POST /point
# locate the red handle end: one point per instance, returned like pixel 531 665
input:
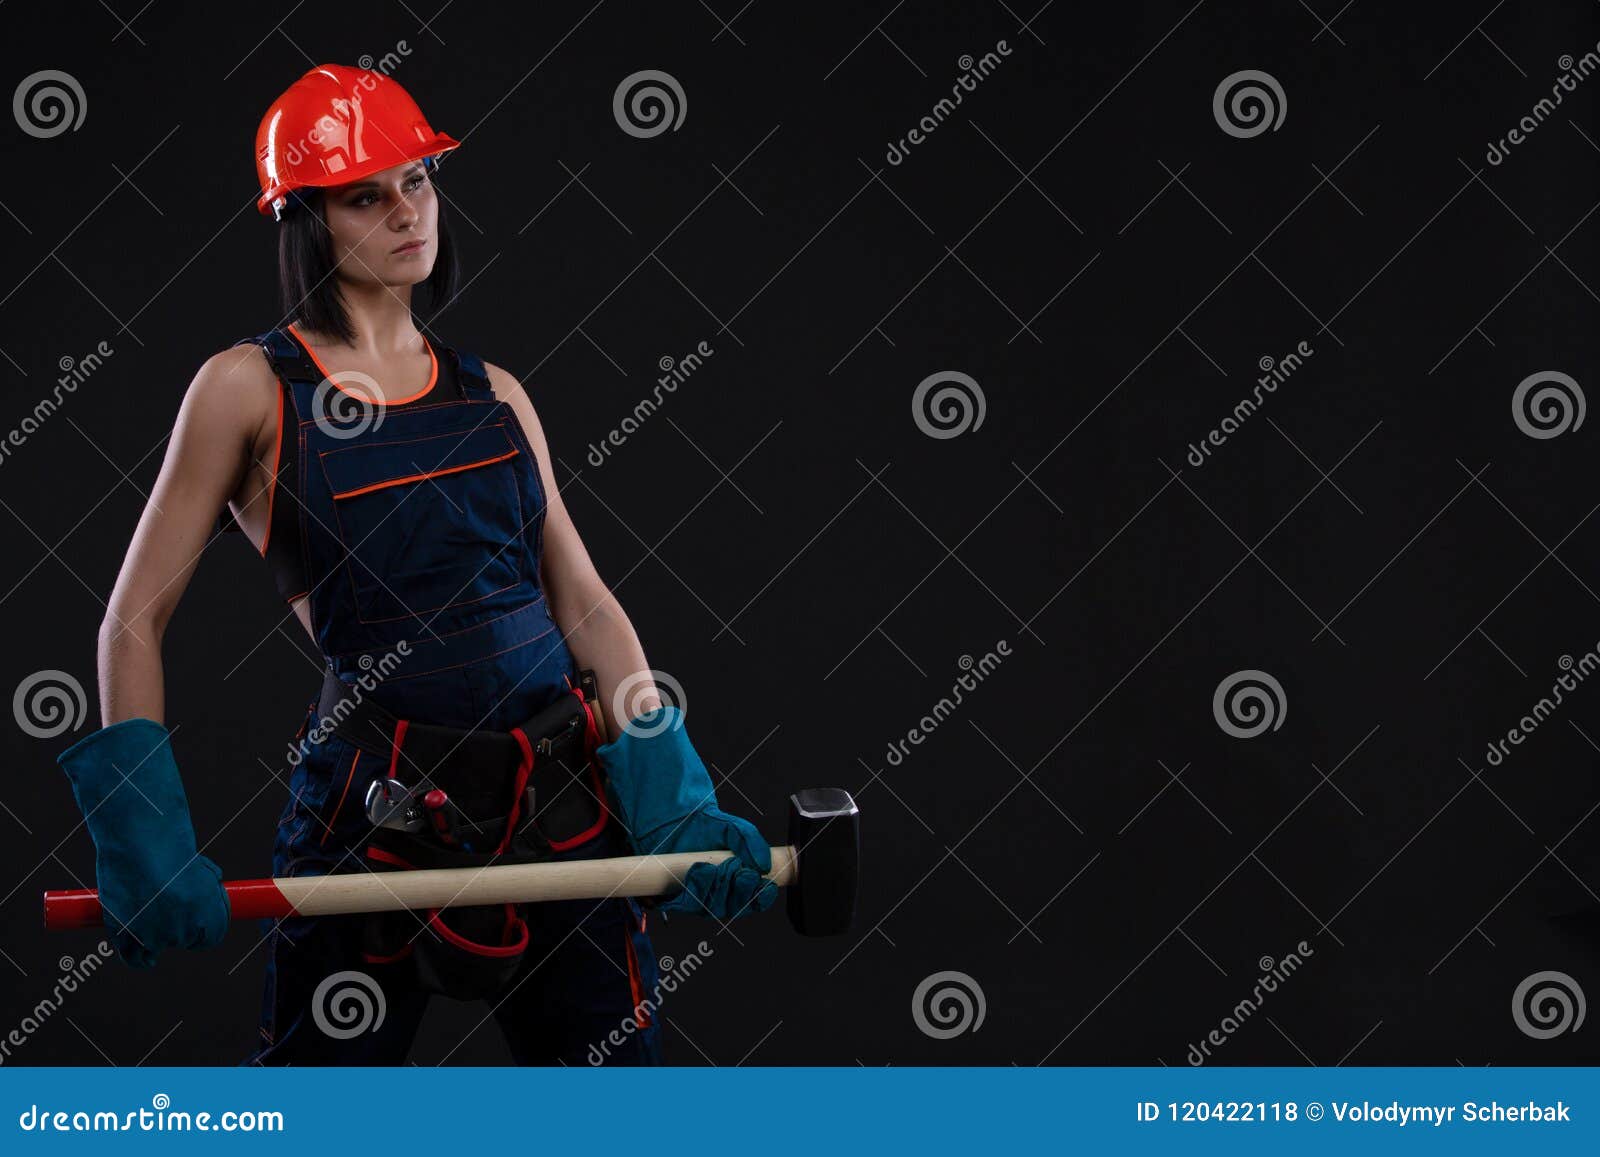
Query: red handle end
pixel 73 908
pixel 247 900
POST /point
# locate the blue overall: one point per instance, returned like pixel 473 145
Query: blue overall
pixel 419 524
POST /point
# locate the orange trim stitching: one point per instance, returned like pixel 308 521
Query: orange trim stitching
pixel 433 373
pixel 461 440
pixel 523 609
pixel 328 830
pixel 422 409
pixel 469 662
pixel 272 478
pixel 425 474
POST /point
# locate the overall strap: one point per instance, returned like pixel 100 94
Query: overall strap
pixel 285 357
pixel 472 380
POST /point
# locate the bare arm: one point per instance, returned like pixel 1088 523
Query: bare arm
pixel 206 459
pixel 597 630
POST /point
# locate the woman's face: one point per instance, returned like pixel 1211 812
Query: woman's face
pixel 384 228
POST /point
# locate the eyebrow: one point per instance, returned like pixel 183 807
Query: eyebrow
pixel 358 185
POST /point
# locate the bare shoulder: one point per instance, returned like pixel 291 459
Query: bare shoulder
pixel 236 371
pixel 510 390
pixel 504 382
pixel 234 390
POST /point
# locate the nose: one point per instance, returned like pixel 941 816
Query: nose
pixel 403 216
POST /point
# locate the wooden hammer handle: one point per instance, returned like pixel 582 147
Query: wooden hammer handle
pixel 347 892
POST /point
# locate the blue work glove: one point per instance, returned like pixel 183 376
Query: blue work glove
pixel 660 790
pixel 155 891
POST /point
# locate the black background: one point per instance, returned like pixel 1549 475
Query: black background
pixel 1037 842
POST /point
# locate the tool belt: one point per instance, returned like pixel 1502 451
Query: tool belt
pixel 457 798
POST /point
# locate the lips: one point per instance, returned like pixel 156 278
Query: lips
pixel 409 247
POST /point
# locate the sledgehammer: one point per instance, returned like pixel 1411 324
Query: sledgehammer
pixel 819 866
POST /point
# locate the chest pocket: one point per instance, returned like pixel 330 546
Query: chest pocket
pixel 428 523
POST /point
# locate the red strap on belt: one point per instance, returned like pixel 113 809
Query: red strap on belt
pixel 515 936
pixel 591 740
pixel 524 770
pixel 399 738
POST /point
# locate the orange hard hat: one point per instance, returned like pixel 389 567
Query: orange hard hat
pixel 337 124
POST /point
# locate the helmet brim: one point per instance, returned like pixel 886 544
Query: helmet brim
pixel 273 200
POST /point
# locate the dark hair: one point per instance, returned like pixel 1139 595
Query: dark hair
pixel 305 267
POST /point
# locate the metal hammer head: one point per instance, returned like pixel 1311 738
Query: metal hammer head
pixel 824 832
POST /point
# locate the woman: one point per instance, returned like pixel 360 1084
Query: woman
pixel 401 494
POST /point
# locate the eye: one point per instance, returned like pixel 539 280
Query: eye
pixel 415 181
pixel 362 200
